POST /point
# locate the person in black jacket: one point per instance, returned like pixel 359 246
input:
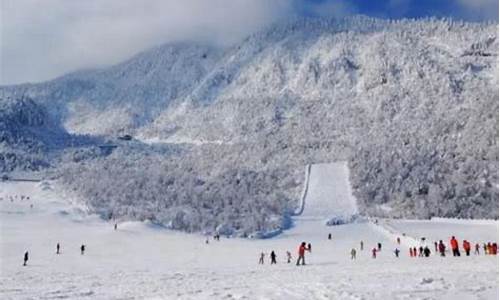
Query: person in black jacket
pixel 273 258
pixel 25 258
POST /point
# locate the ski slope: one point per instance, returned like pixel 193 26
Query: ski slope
pixel 329 192
pixel 144 261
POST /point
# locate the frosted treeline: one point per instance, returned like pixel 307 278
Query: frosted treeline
pixel 411 105
pixel 20 147
pixel 172 189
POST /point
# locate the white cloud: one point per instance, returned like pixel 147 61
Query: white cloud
pixel 42 39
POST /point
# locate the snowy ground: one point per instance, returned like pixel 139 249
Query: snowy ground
pixel 142 261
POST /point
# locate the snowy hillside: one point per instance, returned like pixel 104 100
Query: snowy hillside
pixel 26 135
pixel 412 105
pixel 118 99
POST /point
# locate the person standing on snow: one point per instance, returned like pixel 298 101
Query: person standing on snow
pixel 273 258
pixel 302 252
pixel 329 236
pixel 353 253
pixel 436 248
pixel 398 240
pixel 82 249
pixel 477 247
pixel 288 257
pixel 379 246
pixel 261 259
pixel 420 251
pixel 427 251
pixel 396 252
pixel 442 248
pixel 454 246
pixel 309 248
pixel 25 258
pixel 58 247
pixel 361 245
pixel 374 253
pixel 411 252
pixel 466 246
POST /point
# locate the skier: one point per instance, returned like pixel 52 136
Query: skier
pixel 353 253
pixel 273 258
pixel 329 236
pixel 58 247
pixel 414 251
pixel 288 257
pixel 396 252
pixel 477 247
pixel 82 249
pixel 466 246
pixel 374 253
pixel 116 226
pixel 361 245
pixel 454 246
pixel 25 258
pixel 489 249
pixel 420 251
pixel 379 245
pixel 309 247
pixel 302 250
pixel 427 251
pixel 494 248
pixel 442 248
pixel 398 240
pixel 411 252
pixel 261 259
pixel 436 249
pixel 485 249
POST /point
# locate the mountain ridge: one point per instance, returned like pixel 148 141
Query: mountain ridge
pixel 412 105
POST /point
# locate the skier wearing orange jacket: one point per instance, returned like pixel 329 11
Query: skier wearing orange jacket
pixel 302 252
pixel 466 246
pixel 454 246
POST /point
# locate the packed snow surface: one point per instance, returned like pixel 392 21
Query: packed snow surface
pixel 329 192
pixel 143 261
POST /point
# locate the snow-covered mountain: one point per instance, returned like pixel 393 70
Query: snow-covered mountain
pixel 411 104
pixel 121 98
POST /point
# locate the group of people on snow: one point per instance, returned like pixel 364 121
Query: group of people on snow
pixel 301 260
pixel 16 198
pixel 440 248
pixel 58 251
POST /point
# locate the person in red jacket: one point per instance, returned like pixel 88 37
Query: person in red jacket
pixel 494 248
pixel 454 246
pixel 302 253
pixel 489 249
pixel 411 252
pixel 466 246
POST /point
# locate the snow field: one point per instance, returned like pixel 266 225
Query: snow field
pixel 143 261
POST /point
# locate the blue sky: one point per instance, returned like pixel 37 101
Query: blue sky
pixel 469 10
pixel 43 39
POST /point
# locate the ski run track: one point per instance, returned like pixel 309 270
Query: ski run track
pixel 144 261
